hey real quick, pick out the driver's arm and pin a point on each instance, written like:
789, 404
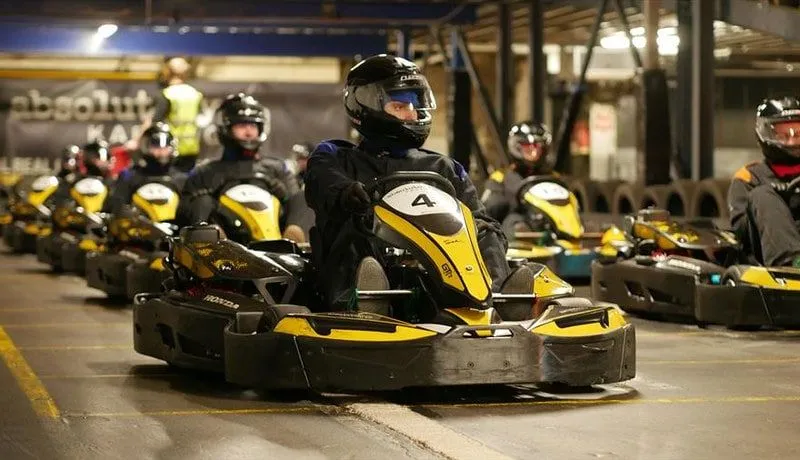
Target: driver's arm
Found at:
325, 181
494, 196
196, 203
738, 193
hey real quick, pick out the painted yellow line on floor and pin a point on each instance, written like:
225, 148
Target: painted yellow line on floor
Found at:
596, 402
102, 376
83, 324
173, 413
40, 399
725, 361
49, 308
120, 346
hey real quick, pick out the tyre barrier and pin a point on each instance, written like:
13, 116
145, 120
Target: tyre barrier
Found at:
710, 199
627, 198
594, 196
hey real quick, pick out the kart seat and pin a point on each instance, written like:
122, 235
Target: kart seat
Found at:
202, 233
273, 314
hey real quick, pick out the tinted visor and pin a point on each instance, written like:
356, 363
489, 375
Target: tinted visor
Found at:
413, 89
159, 140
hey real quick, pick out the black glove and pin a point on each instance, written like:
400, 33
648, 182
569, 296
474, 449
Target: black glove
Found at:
354, 198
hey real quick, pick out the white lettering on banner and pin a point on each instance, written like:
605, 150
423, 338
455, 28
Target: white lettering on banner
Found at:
116, 134
29, 165
100, 106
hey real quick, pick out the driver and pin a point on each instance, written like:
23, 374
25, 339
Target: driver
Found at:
764, 213
240, 128
157, 150
529, 146
389, 102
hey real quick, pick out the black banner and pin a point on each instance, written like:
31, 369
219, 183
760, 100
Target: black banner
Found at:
40, 117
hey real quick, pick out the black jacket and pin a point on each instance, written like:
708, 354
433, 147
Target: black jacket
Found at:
197, 200
336, 164
134, 177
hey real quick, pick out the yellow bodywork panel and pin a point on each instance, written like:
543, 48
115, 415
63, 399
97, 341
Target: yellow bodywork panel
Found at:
297, 326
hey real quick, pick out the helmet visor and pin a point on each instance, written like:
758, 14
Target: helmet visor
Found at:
532, 152
782, 133
411, 91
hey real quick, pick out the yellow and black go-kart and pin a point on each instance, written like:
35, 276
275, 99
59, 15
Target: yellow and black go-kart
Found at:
432, 246
548, 228
28, 213
8, 191
692, 272
62, 243
135, 243
211, 279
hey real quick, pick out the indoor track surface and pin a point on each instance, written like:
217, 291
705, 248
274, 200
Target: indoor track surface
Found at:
74, 388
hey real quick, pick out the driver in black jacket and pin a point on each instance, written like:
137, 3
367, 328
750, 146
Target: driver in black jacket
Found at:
389, 102
240, 127
157, 150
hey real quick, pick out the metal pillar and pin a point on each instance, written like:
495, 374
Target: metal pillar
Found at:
504, 68
403, 38
537, 65
574, 105
651, 16
683, 100
637, 59
435, 36
459, 115
485, 101
703, 94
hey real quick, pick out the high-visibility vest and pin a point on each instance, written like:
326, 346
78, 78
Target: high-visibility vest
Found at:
184, 103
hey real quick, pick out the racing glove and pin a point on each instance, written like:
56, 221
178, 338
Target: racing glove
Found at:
782, 187
354, 198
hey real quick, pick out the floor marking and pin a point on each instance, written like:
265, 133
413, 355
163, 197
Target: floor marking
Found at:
103, 376
725, 361
120, 346
590, 402
49, 308
40, 399
83, 324
424, 431
172, 413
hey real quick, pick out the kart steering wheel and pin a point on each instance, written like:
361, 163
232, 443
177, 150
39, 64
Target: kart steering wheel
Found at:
529, 182
794, 183
257, 179
400, 176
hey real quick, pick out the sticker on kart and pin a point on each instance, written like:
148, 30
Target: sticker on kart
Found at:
251, 196
155, 193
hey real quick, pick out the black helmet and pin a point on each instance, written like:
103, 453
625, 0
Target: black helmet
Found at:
96, 158
158, 135
240, 108
378, 80
778, 129
69, 157
529, 143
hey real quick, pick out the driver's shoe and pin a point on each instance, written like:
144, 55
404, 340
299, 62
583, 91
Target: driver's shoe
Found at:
370, 276
520, 281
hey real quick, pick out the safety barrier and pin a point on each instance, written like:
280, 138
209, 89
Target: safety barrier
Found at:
682, 198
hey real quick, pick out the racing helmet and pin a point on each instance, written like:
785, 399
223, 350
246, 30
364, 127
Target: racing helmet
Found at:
529, 143
372, 85
157, 136
95, 158
778, 129
235, 109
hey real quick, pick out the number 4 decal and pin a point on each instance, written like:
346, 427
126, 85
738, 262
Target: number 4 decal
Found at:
422, 199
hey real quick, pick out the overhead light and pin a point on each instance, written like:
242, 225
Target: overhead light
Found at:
106, 30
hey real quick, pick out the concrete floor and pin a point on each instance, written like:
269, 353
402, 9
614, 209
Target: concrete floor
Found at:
711, 394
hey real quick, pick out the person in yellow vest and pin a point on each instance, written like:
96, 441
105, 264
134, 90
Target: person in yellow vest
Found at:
179, 105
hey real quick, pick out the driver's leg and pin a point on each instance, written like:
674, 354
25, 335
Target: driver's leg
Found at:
777, 231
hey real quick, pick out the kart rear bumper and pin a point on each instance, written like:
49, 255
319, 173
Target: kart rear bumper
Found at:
141, 278
747, 305
21, 237
107, 272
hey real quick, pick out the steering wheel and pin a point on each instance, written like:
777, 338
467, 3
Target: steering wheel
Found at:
529, 182
794, 183
400, 176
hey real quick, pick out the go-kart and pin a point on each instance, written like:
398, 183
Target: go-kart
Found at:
28, 212
62, 243
134, 243
213, 278
442, 327
693, 272
548, 228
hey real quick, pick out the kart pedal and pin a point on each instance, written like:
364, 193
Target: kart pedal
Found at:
370, 276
